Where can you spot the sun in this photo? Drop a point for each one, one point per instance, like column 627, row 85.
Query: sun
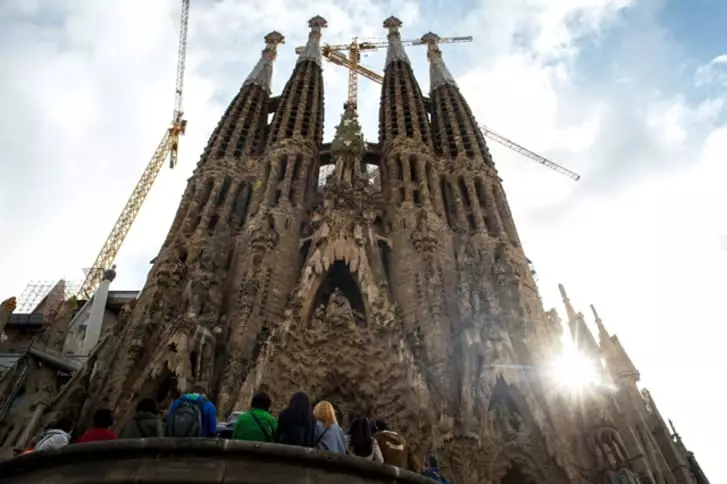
column 574, row 371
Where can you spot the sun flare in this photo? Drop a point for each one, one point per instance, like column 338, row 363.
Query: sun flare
column 575, row 371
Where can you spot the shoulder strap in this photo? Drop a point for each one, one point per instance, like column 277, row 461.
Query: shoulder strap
column 318, row 440
column 268, row 437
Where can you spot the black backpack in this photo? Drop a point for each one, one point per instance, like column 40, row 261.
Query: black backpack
column 187, row 419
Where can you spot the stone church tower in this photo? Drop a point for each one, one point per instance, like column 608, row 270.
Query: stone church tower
column 397, row 288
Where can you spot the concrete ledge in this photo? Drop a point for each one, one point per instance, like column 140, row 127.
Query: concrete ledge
column 166, row 460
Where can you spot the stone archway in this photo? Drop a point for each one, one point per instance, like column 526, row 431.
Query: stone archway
column 340, row 279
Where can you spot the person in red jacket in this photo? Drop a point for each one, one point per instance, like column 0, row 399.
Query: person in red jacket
column 101, row 430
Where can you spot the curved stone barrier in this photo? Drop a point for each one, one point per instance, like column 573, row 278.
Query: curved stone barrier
column 167, row 460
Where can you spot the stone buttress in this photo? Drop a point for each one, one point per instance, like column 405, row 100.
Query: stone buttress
column 268, row 252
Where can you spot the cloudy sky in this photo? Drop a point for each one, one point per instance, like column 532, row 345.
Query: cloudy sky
column 629, row 93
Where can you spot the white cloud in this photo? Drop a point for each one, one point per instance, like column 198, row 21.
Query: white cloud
column 87, row 91
column 714, row 72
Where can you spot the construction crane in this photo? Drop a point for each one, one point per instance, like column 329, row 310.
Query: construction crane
column 168, row 147
column 333, row 53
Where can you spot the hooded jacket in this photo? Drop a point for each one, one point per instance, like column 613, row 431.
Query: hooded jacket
column 53, row 439
column 208, row 409
column 142, row 425
column 393, row 448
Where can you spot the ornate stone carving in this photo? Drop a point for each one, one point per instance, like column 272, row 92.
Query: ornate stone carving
column 424, row 238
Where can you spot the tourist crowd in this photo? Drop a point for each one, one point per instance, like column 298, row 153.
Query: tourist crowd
column 299, row 424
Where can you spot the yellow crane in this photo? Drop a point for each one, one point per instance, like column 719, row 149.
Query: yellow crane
column 168, row 147
column 335, row 55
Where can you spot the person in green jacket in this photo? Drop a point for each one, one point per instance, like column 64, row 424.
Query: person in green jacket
column 256, row 425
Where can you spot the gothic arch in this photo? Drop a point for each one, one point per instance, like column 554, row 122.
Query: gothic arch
column 340, row 277
column 508, row 394
column 317, row 285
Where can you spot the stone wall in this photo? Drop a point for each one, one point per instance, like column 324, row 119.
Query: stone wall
column 198, row 461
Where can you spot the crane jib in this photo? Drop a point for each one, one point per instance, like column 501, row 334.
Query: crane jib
column 167, row 148
column 334, row 54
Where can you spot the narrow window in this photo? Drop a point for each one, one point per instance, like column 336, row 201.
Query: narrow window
column 447, row 200
column 206, row 191
column 223, row 191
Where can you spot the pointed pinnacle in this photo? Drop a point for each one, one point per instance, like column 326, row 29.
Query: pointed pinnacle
column 595, row 314
column 317, row 23
column 274, row 38
column 430, row 38
column 432, row 41
column 393, row 24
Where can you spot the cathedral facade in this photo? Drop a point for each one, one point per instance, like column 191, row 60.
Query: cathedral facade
column 396, row 287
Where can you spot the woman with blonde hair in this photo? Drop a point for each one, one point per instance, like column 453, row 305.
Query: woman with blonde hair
column 329, row 435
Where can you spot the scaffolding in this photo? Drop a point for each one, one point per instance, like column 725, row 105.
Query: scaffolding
column 36, row 291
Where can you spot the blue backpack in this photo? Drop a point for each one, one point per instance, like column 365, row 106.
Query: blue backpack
column 187, row 419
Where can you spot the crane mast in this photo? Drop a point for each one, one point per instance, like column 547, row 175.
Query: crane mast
column 168, row 147
column 333, row 53
column 178, row 124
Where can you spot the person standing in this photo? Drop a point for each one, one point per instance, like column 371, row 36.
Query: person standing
column 59, row 435
column 256, row 425
column 296, row 425
column 145, row 423
column 328, row 434
column 192, row 415
column 362, row 443
column 394, row 447
column 102, row 421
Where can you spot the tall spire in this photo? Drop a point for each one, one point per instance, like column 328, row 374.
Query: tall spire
column 312, row 51
column 241, row 130
column 396, row 51
column 602, row 332
column 402, row 113
column 300, row 109
column 262, row 73
column 438, row 73
column 454, row 127
column 579, row 331
column 566, row 302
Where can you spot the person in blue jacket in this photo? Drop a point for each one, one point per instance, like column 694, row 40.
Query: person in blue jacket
column 192, row 415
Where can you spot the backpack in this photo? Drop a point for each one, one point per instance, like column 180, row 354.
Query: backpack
column 187, row 419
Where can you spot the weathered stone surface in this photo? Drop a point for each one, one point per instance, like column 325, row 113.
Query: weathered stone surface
column 196, row 461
